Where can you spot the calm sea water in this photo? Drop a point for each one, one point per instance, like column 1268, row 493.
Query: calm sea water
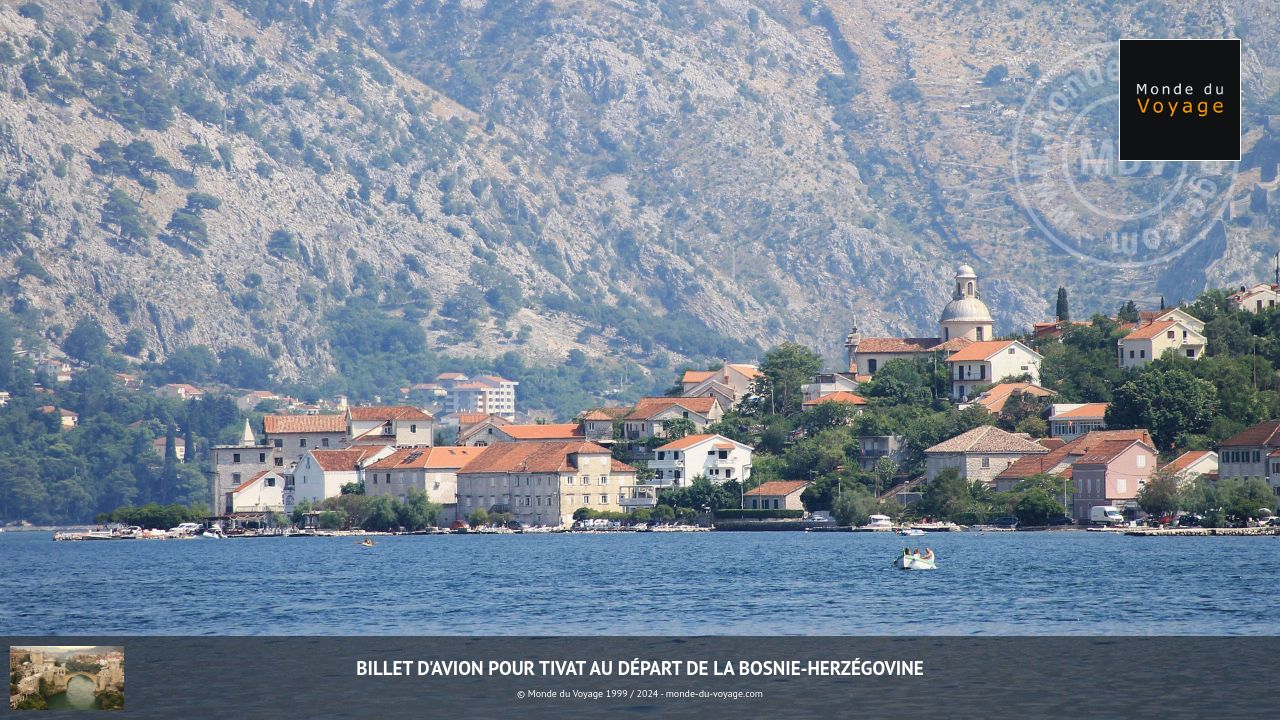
column 643, row 584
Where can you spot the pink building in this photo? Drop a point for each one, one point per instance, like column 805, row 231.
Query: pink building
column 1110, row 474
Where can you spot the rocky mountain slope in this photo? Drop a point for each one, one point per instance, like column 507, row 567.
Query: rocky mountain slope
column 645, row 180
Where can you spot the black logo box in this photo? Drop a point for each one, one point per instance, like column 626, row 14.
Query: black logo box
column 1189, row 65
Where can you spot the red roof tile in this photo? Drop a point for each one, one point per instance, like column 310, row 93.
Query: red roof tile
column 1263, row 433
column 281, row 424
column 530, row 457
column 978, row 351
column 387, row 412
column 433, row 458
column 650, row 406
column 348, row 459
column 839, row 396
column 897, row 345
column 778, row 487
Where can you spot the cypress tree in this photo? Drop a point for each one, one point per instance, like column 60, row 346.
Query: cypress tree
column 1064, row 311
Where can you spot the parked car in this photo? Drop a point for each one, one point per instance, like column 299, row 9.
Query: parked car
column 1061, row 520
column 1189, row 521
column 1005, row 522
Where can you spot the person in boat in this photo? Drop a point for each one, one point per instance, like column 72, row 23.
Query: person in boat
column 928, row 553
column 915, row 552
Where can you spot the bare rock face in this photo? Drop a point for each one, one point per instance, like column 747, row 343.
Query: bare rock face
column 692, row 179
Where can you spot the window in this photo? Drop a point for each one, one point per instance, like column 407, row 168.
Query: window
column 279, row 442
column 979, row 331
column 302, row 442
column 604, row 499
column 568, row 480
column 271, row 482
column 871, row 366
column 755, row 504
column 1010, row 351
column 324, row 442
column 1130, row 354
column 1191, row 352
column 235, row 457
column 279, row 462
column 262, row 457
column 1257, row 456
column 986, row 462
column 413, row 428
column 1122, row 485
column 724, row 455
column 604, row 479
column 1142, row 353
column 1169, row 334
column 1142, row 461
column 235, row 478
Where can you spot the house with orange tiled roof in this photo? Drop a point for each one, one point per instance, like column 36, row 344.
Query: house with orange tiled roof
column 181, row 391
column 1196, row 463
column 714, row 457
column 402, row 425
column 1249, row 454
column 1168, row 332
column 260, row 493
column 291, row 436
column 1060, row 460
column 775, row 495
column 965, row 319
column 1257, row 298
column 1071, row 420
column 321, row 474
column 984, row 363
column 543, row 483
column 843, row 397
column 1110, row 473
column 994, row 398
column 432, row 471
column 730, row 384
column 647, row 418
column 66, row 418
column 490, row 433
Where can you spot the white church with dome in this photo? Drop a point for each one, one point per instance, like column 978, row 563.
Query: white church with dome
column 966, row 343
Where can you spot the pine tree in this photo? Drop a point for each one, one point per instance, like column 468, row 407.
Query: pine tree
column 1064, row 311
column 1128, row 312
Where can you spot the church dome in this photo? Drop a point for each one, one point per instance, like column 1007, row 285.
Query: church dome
column 965, row 271
column 966, row 309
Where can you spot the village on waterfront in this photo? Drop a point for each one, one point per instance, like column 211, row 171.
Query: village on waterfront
column 963, row 429
column 60, row 677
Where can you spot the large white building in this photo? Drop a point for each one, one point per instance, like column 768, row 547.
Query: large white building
column 715, row 457
column 543, row 483
column 322, row 473
column 488, row 394
column 981, row 364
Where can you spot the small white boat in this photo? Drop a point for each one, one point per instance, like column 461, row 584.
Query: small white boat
column 911, row 532
column 913, row 561
column 214, row 532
